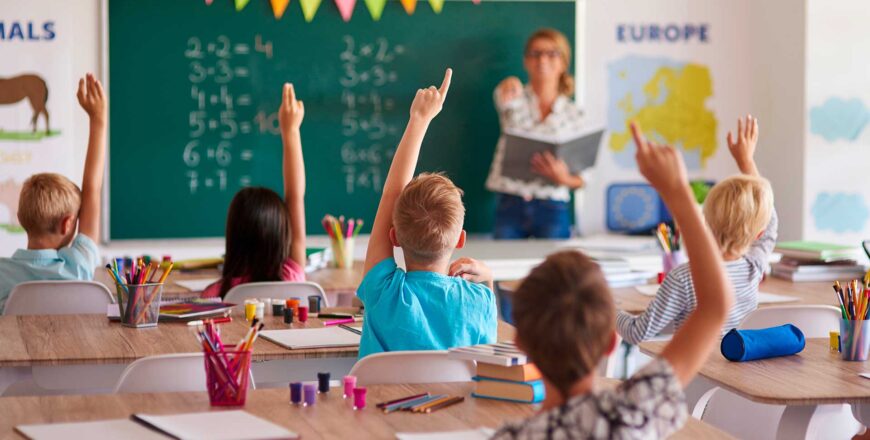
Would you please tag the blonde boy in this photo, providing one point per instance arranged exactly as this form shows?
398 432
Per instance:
435 305
51 208
739 211
564 316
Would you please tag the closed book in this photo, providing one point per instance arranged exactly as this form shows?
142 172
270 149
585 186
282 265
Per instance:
525 392
502 353
817 251
517 373
836 267
817 276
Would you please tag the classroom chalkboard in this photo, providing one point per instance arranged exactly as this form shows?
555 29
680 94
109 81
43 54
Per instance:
194 90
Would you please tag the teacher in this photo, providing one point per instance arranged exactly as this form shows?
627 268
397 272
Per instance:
540 208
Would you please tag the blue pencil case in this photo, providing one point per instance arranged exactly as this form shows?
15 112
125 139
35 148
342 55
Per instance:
750 345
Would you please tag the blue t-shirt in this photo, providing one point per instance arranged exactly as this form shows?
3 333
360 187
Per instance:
74 262
423 311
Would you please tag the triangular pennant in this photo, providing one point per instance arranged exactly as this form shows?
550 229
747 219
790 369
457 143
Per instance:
345 8
409 5
278 7
476 2
309 8
376 8
240 4
209 2
437 5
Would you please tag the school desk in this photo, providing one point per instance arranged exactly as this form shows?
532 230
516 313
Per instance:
801 382
330 418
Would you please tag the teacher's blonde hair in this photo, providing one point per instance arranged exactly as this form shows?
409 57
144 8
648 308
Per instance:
566 81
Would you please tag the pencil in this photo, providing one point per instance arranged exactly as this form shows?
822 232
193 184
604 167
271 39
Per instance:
445 404
400 400
431 403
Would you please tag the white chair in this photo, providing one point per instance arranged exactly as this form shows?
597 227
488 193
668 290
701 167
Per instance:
276 289
166 373
750 420
58 298
411 367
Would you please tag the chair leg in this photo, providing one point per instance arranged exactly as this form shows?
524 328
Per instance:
816 422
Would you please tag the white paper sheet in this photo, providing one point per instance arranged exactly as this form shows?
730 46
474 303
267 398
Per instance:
333 336
218 425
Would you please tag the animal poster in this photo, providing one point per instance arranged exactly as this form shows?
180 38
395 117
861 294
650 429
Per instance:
37 101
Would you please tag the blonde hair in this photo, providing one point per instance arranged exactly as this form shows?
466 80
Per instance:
428 217
566 81
737 209
47 198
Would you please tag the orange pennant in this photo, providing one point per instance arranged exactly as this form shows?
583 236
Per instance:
376 8
345 8
409 5
437 5
278 7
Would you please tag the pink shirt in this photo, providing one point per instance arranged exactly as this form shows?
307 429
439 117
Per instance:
290 271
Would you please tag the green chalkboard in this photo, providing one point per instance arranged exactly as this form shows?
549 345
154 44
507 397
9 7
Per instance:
194 90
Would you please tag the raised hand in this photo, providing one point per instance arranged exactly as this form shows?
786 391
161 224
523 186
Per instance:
742 147
92 98
509 89
291 112
662 165
429 101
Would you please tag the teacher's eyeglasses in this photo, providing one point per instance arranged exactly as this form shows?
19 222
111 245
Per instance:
537 54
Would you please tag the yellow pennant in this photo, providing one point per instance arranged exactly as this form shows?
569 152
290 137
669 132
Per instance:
240 4
409 5
309 8
278 7
376 8
437 5
345 8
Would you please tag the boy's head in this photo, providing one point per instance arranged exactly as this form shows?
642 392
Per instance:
737 210
428 218
565 318
49 206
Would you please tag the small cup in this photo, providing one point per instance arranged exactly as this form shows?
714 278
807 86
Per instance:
303 314
277 309
288 316
139 304
672 260
854 339
342 253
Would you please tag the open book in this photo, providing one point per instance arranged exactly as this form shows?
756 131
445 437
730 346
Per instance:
579 150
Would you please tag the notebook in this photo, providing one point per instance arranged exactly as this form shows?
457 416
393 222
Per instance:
502 353
817 251
216 425
325 337
579 150
121 428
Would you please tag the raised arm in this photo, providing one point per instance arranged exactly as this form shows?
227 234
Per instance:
92 98
742 147
290 115
694 341
427 103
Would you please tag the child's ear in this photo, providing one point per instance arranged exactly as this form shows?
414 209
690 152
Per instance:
67 224
461 242
614 342
760 233
393 239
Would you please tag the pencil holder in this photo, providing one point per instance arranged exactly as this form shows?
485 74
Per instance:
672 260
226 375
342 253
139 304
854 339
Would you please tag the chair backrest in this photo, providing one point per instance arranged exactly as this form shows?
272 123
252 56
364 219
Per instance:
166 373
58 298
276 289
411 367
815 321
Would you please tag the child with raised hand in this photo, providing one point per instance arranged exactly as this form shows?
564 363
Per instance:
265 236
434 305
739 211
565 320
51 208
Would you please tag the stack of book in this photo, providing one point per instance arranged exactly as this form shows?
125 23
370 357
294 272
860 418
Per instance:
503 373
318 258
812 261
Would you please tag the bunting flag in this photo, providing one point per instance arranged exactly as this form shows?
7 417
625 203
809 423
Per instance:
409 6
240 4
376 8
209 2
309 8
278 7
437 5
345 8
476 2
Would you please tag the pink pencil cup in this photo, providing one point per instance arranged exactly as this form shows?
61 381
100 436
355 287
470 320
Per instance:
226 375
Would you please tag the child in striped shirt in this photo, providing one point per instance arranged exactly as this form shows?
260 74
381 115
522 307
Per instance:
739 211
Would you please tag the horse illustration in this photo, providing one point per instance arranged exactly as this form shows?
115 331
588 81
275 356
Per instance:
31 87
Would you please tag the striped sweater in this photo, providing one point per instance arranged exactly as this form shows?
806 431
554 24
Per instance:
675 299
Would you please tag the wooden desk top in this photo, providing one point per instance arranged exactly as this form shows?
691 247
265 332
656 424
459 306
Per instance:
813 377
632 301
93 339
332 416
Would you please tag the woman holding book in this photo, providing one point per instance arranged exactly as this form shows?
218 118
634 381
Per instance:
539 208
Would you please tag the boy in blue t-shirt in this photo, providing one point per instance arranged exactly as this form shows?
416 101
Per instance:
435 305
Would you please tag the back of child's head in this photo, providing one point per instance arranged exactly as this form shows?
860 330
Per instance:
737 209
257 237
428 217
47 198
565 317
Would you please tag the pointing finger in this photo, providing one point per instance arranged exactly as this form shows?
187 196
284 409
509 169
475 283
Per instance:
445 85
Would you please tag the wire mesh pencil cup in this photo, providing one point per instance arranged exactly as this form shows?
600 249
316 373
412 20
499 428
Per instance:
139 304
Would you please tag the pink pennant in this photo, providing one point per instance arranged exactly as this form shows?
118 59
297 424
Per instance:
345 8
209 2
476 2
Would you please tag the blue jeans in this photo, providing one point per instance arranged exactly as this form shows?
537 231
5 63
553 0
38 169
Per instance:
516 218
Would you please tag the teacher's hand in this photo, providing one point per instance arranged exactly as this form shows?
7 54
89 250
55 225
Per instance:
555 169
509 89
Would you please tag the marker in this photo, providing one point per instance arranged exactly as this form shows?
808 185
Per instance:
340 321
213 321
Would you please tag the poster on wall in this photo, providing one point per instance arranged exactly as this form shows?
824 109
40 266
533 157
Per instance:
36 100
669 66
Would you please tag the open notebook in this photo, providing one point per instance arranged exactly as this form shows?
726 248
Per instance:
312 337
216 425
